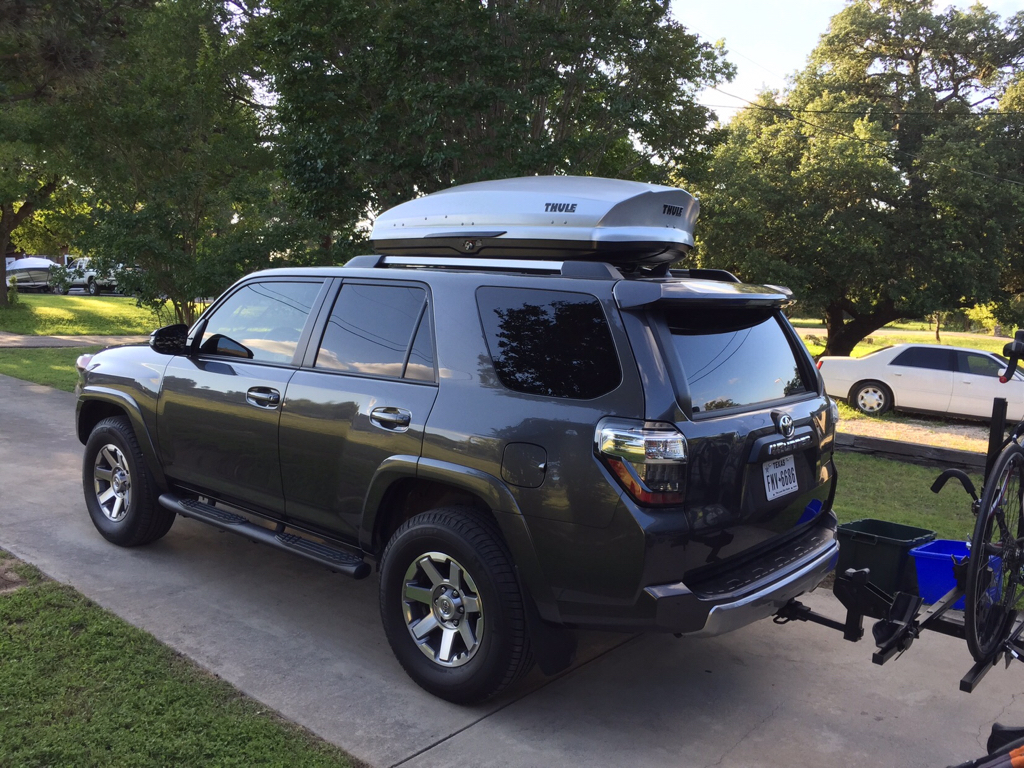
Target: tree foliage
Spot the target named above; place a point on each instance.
(880, 185)
(381, 101)
(49, 49)
(185, 197)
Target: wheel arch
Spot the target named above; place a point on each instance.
(103, 403)
(869, 380)
(405, 486)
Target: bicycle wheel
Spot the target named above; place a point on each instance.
(994, 570)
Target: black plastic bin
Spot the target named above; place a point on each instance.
(883, 547)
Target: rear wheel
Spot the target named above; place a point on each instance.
(994, 573)
(451, 606)
(120, 492)
(871, 397)
(93, 288)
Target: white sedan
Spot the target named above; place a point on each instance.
(924, 377)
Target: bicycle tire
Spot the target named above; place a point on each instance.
(994, 569)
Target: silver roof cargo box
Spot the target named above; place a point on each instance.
(544, 217)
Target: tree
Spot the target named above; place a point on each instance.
(185, 198)
(868, 186)
(48, 50)
(381, 101)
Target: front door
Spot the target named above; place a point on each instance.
(219, 410)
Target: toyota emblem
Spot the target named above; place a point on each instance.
(786, 425)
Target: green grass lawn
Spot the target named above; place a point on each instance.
(816, 343)
(901, 493)
(54, 315)
(54, 367)
(79, 686)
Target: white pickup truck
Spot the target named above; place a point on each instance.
(82, 275)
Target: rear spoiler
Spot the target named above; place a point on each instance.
(631, 294)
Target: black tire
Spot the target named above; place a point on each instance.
(120, 492)
(92, 288)
(484, 586)
(994, 570)
(872, 398)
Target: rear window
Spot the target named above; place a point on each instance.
(925, 357)
(552, 343)
(733, 358)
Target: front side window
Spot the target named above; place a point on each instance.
(733, 358)
(379, 330)
(980, 365)
(925, 357)
(551, 343)
(260, 321)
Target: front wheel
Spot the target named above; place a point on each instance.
(994, 572)
(451, 606)
(120, 492)
(872, 398)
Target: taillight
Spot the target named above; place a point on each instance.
(818, 365)
(648, 460)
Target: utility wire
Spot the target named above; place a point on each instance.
(871, 111)
(881, 147)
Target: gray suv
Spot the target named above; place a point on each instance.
(525, 431)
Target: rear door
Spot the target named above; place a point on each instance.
(362, 395)
(757, 426)
(922, 377)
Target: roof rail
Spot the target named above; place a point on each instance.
(598, 270)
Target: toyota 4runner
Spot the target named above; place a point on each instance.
(514, 411)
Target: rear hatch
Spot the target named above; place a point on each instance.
(745, 395)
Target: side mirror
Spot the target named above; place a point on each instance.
(169, 340)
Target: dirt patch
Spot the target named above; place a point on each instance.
(961, 436)
(14, 574)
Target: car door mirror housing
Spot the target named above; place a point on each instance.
(170, 340)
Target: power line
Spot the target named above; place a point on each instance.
(881, 147)
(871, 110)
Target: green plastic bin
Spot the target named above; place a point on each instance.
(883, 547)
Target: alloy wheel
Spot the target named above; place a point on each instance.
(442, 608)
(112, 482)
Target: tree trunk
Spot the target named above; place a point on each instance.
(844, 335)
(5, 240)
(11, 219)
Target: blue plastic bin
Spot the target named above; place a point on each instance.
(934, 562)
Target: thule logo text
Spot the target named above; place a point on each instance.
(672, 210)
(560, 207)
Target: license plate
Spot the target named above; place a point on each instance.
(779, 477)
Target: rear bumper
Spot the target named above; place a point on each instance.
(678, 609)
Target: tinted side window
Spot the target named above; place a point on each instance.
(549, 343)
(925, 357)
(371, 328)
(734, 358)
(261, 321)
(979, 365)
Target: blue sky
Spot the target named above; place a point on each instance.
(769, 40)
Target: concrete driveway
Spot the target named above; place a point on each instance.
(309, 644)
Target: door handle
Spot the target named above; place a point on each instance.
(263, 397)
(391, 419)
